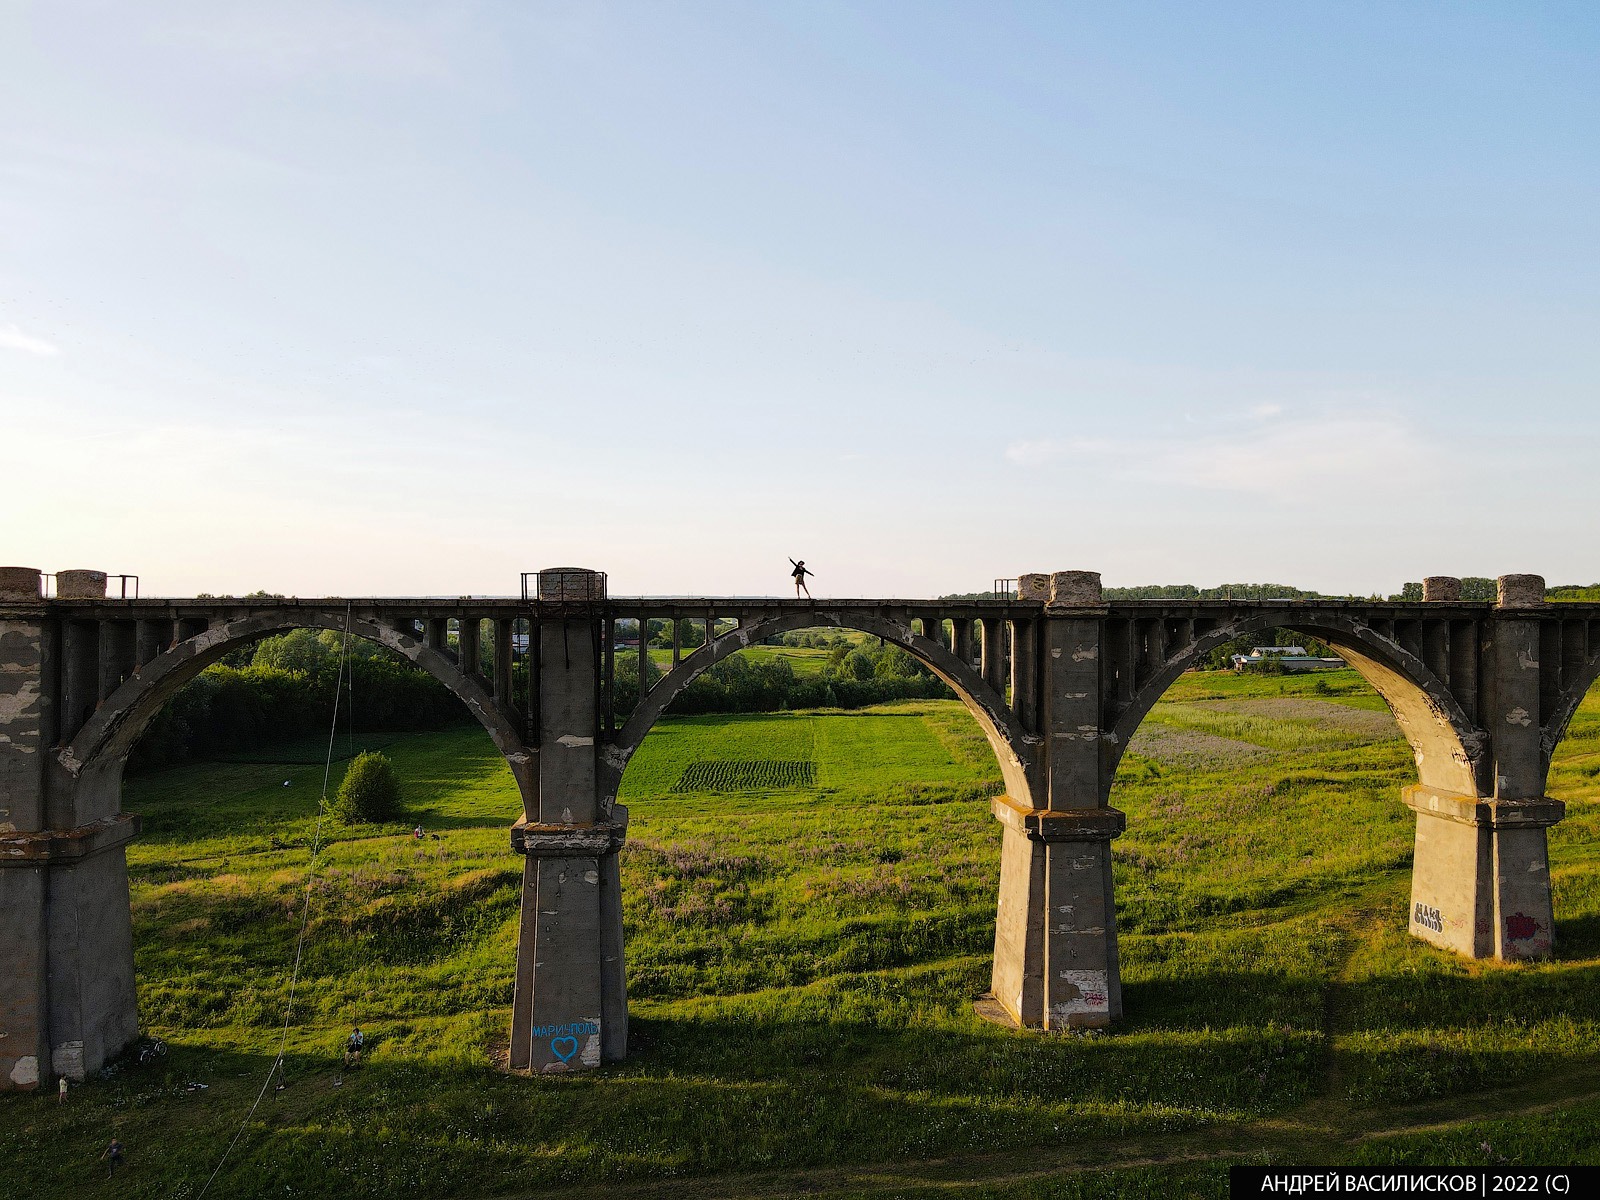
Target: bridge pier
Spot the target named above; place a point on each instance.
(570, 1007)
(1055, 956)
(67, 1000)
(1480, 877)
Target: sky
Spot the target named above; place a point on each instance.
(373, 299)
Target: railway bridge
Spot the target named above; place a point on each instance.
(1058, 678)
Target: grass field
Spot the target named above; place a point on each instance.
(806, 661)
(809, 904)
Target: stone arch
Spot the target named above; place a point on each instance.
(1450, 750)
(1555, 728)
(1013, 746)
(97, 754)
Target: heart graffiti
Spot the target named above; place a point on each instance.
(564, 1047)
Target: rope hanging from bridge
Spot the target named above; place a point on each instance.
(340, 686)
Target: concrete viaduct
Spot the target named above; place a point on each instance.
(1058, 679)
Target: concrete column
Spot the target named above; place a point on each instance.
(67, 1000)
(24, 1024)
(1055, 961)
(1480, 877)
(153, 638)
(933, 629)
(503, 650)
(644, 658)
(1024, 676)
(94, 1012)
(1055, 951)
(469, 645)
(677, 642)
(80, 675)
(119, 654)
(570, 1006)
(993, 663)
(436, 634)
(961, 638)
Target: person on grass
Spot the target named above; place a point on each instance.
(800, 574)
(112, 1155)
(352, 1047)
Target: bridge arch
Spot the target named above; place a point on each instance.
(1449, 748)
(1013, 746)
(1565, 708)
(97, 754)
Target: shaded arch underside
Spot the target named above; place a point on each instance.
(96, 755)
(1567, 707)
(1449, 748)
(1013, 746)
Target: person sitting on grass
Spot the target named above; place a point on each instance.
(352, 1047)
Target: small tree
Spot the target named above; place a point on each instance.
(370, 791)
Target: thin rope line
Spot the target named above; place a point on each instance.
(305, 912)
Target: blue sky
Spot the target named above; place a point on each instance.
(377, 298)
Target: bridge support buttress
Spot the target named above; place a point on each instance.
(1480, 877)
(1055, 946)
(67, 1000)
(570, 1008)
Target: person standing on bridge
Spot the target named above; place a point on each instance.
(800, 574)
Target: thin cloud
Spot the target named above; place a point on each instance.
(1283, 459)
(13, 338)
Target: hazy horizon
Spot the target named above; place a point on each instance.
(366, 299)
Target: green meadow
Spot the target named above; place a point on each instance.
(809, 902)
(807, 662)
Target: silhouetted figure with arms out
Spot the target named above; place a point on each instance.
(800, 574)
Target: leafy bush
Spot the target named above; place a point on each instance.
(370, 791)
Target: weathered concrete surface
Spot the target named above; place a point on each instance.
(80, 585)
(1521, 591)
(93, 1004)
(24, 999)
(21, 583)
(1058, 678)
(570, 1006)
(1480, 879)
(1055, 957)
(24, 963)
(1441, 589)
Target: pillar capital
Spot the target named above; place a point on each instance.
(538, 840)
(1075, 589)
(1521, 591)
(1060, 824)
(80, 585)
(1441, 589)
(34, 848)
(1535, 812)
(572, 585)
(1033, 585)
(21, 583)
